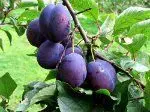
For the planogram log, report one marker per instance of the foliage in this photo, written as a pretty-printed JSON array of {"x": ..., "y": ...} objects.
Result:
[{"x": 121, "y": 39}]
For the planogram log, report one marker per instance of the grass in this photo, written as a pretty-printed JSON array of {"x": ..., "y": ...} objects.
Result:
[{"x": 22, "y": 68}]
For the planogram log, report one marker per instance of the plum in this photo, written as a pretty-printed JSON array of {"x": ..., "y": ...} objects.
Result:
[
  {"x": 59, "y": 26},
  {"x": 77, "y": 50},
  {"x": 34, "y": 35},
  {"x": 49, "y": 54},
  {"x": 72, "y": 69},
  {"x": 101, "y": 75},
  {"x": 44, "y": 19}
]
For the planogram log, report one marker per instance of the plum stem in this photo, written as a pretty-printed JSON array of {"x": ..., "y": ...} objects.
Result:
[
  {"x": 73, "y": 42},
  {"x": 87, "y": 41},
  {"x": 91, "y": 48},
  {"x": 63, "y": 54}
]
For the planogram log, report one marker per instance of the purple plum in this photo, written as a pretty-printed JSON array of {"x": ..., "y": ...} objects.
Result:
[
  {"x": 49, "y": 54},
  {"x": 72, "y": 69},
  {"x": 101, "y": 75},
  {"x": 59, "y": 26},
  {"x": 34, "y": 35},
  {"x": 44, "y": 19}
]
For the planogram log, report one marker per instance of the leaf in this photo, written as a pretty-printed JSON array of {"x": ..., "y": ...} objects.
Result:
[
  {"x": 142, "y": 27},
  {"x": 28, "y": 15},
  {"x": 19, "y": 29},
  {"x": 44, "y": 94},
  {"x": 81, "y": 5},
  {"x": 129, "y": 17},
  {"x": 108, "y": 25},
  {"x": 137, "y": 42},
  {"x": 103, "y": 91},
  {"x": 121, "y": 90},
  {"x": 40, "y": 5},
  {"x": 135, "y": 106},
  {"x": 127, "y": 63},
  {"x": 1, "y": 44},
  {"x": 2, "y": 109},
  {"x": 52, "y": 74},
  {"x": 9, "y": 36},
  {"x": 30, "y": 91},
  {"x": 147, "y": 91},
  {"x": 7, "y": 85},
  {"x": 69, "y": 102},
  {"x": 16, "y": 12},
  {"x": 11, "y": 2},
  {"x": 140, "y": 67},
  {"x": 27, "y": 4},
  {"x": 6, "y": 29}
]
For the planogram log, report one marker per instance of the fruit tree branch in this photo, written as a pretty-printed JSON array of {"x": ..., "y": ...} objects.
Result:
[{"x": 87, "y": 41}]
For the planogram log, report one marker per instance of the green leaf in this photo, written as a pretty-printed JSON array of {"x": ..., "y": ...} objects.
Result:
[
  {"x": 40, "y": 4},
  {"x": 52, "y": 74},
  {"x": 27, "y": 4},
  {"x": 81, "y": 5},
  {"x": 19, "y": 29},
  {"x": 6, "y": 29},
  {"x": 71, "y": 102},
  {"x": 44, "y": 94},
  {"x": 127, "y": 63},
  {"x": 136, "y": 43},
  {"x": 140, "y": 67},
  {"x": 147, "y": 91},
  {"x": 7, "y": 85},
  {"x": 16, "y": 12},
  {"x": 9, "y": 36},
  {"x": 28, "y": 15},
  {"x": 135, "y": 106},
  {"x": 129, "y": 17},
  {"x": 121, "y": 90},
  {"x": 142, "y": 27},
  {"x": 30, "y": 91},
  {"x": 1, "y": 44},
  {"x": 108, "y": 25},
  {"x": 11, "y": 2},
  {"x": 103, "y": 91},
  {"x": 2, "y": 109}
]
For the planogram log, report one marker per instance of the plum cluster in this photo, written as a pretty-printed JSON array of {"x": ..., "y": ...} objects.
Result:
[{"x": 50, "y": 34}]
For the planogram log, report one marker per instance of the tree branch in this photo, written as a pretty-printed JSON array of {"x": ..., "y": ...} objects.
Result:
[{"x": 87, "y": 41}]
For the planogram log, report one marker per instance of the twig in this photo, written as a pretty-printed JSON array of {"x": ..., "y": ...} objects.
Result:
[
  {"x": 5, "y": 15},
  {"x": 87, "y": 41},
  {"x": 63, "y": 54},
  {"x": 79, "y": 42},
  {"x": 137, "y": 98},
  {"x": 83, "y": 11},
  {"x": 109, "y": 45}
]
